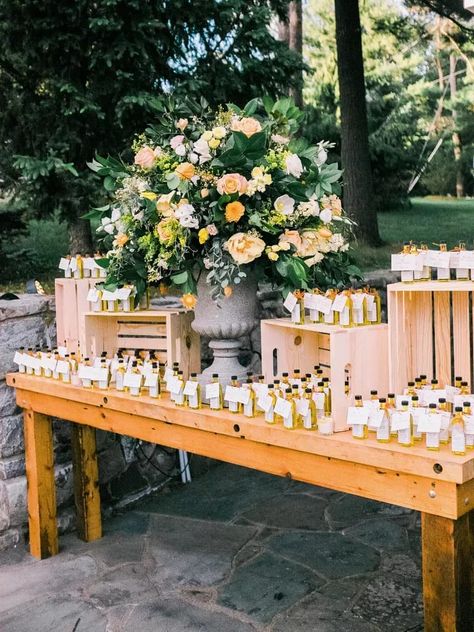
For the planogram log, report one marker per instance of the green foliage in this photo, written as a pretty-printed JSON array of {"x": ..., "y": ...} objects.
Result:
[{"x": 80, "y": 78}]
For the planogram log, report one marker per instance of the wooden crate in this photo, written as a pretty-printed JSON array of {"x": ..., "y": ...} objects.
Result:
[
  {"x": 356, "y": 354},
  {"x": 167, "y": 331},
  {"x": 430, "y": 325},
  {"x": 71, "y": 305}
]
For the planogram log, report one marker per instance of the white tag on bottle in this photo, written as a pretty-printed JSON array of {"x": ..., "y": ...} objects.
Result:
[
  {"x": 151, "y": 379},
  {"x": 339, "y": 303},
  {"x": 212, "y": 390},
  {"x": 63, "y": 264},
  {"x": 244, "y": 395},
  {"x": 264, "y": 402},
  {"x": 375, "y": 418},
  {"x": 282, "y": 407},
  {"x": 190, "y": 388},
  {"x": 302, "y": 406},
  {"x": 93, "y": 295},
  {"x": 357, "y": 415},
  {"x": 132, "y": 380},
  {"x": 290, "y": 302},
  {"x": 322, "y": 304},
  {"x": 400, "y": 421},
  {"x": 232, "y": 394}
]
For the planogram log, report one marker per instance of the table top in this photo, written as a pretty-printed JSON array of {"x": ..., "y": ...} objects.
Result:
[{"x": 417, "y": 460}]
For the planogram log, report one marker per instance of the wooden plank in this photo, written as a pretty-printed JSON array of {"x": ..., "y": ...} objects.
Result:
[
  {"x": 41, "y": 490},
  {"x": 86, "y": 482},
  {"x": 141, "y": 329},
  {"x": 136, "y": 342},
  {"x": 432, "y": 286},
  {"x": 146, "y": 314},
  {"x": 462, "y": 339},
  {"x": 417, "y": 460},
  {"x": 398, "y": 370},
  {"x": 419, "y": 343},
  {"x": 448, "y": 573},
  {"x": 378, "y": 483},
  {"x": 442, "y": 337}
]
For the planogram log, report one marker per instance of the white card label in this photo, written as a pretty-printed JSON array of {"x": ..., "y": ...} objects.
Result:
[
  {"x": 375, "y": 418},
  {"x": 265, "y": 402},
  {"x": 302, "y": 406},
  {"x": 190, "y": 388},
  {"x": 63, "y": 264},
  {"x": 290, "y": 302},
  {"x": 282, "y": 407},
  {"x": 212, "y": 390},
  {"x": 132, "y": 380},
  {"x": 400, "y": 421},
  {"x": 232, "y": 394},
  {"x": 357, "y": 415},
  {"x": 339, "y": 303},
  {"x": 431, "y": 422},
  {"x": 93, "y": 295}
]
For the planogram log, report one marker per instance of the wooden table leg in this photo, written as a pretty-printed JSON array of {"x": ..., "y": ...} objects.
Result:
[
  {"x": 86, "y": 482},
  {"x": 39, "y": 457},
  {"x": 448, "y": 573}
]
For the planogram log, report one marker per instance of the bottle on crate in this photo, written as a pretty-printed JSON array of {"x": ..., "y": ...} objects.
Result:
[
  {"x": 411, "y": 388},
  {"x": 457, "y": 432},
  {"x": 179, "y": 398},
  {"x": 407, "y": 276},
  {"x": 423, "y": 380},
  {"x": 119, "y": 375},
  {"x": 310, "y": 418},
  {"x": 155, "y": 389},
  {"x": 458, "y": 381},
  {"x": 216, "y": 403},
  {"x": 426, "y": 273},
  {"x": 279, "y": 391},
  {"x": 383, "y": 431},
  {"x": 434, "y": 384},
  {"x": 234, "y": 407},
  {"x": 104, "y": 383},
  {"x": 66, "y": 376},
  {"x": 194, "y": 401},
  {"x": 320, "y": 397},
  {"x": 135, "y": 390},
  {"x": 296, "y": 376},
  {"x": 405, "y": 436},
  {"x": 47, "y": 371},
  {"x": 249, "y": 375},
  {"x": 432, "y": 438},
  {"x": 270, "y": 412},
  {"x": 443, "y": 274},
  {"x": 346, "y": 314},
  {"x": 87, "y": 382},
  {"x": 285, "y": 383},
  {"x": 359, "y": 431},
  {"x": 417, "y": 383},
  {"x": 464, "y": 388},
  {"x": 328, "y": 401},
  {"x": 462, "y": 274},
  {"x": 250, "y": 408}
]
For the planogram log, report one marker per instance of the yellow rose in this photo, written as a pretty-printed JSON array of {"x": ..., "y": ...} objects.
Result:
[
  {"x": 203, "y": 235},
  {"x": 232, "y": 183},
  {"x": 273, "y": 256},
  {"x": 207, "y": 135},
  {"x": 145, "y": 157},
  {"x": 189, "y": 301},
  {"x": 325, "y": 233},
  {"x": 244, "y": 247},
  {"x": 121, "y": 239},
  {"x": 185, "y": 170},
  {"x": 247, "y": 125},
  {"x": 219, "y": 132},
  {"x": 214, "y": 143},
  {"x": 234, "y": 211},
  {"x": 148, "y": 195},
  {"x": 257, "y": 172}
]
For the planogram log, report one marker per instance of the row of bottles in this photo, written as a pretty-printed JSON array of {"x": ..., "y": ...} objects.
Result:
[
  {"x": 403, "y": 419},
  {"x": 123, "y": 299},
  {"x": 348, "y": 308},
  {"x": 419, "y": 263},
  {"x": 80, "y": 266}
]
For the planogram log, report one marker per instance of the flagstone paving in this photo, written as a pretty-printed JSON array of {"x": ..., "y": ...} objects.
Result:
[{"x": 235, "y": 551}]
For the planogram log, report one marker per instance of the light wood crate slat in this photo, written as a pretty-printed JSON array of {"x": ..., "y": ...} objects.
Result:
[
  {"x": 430, "y": 331},
  {"x": 168, "y": 333},
  {"x": 358, "y": 354},
  {"x": 71, "y": 305}
]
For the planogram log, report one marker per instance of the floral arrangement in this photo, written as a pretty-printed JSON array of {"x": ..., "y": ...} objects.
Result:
[{"x": 224, "y": 193}]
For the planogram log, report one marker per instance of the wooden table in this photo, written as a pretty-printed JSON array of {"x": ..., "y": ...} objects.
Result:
[{"x": 438, "y": 484}]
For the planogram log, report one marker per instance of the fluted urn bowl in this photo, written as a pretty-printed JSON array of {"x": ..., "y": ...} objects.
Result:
[{"x": 225, "y": 321}]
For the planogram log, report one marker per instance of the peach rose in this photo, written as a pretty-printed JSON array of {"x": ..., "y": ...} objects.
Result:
[
  {"x": 121, "y": 239},
  {"x": 244, "y": 247},
  {"x": 163, "y": 204},
  {"x": 234, "y": 211},
  {"x": 325, "y": 233},
  {"x": 232, "y": 183},
  {"x": 189, "y": 301},
  {"x": 166, "y": 230},
  {"x": 145, "y": 158},
  {"x": 185, "y": 170},
  {"x": 291, "y": 237},
  {"x": 247, "y": 125}
]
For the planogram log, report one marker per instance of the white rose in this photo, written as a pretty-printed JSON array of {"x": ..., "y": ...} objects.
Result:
[
  {"x": 176, "y": 141},
  {"x": 201, "y": 147},
  {"x": 326, "y": 215},
  {"x": 316, "y": 258},
  {"x": 184, "y": 210},
  {"x": 193, "y": 158},
  {"x": 219, "y": 132},
  {"x": 107, "y": 225},
  {"x": 280, "y": 140},
  {"x": 284, "y": 204},
  {"x": 116, "y": 214},
  {"x": 180, "y": 150},
  {"x": 189, "y": 221},
  {"x": 293, "y": 165},
  {"x": 321, "y": 157}
]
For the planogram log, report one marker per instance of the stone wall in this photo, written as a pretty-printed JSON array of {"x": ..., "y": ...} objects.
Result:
[{"x": 127, "y": 470}]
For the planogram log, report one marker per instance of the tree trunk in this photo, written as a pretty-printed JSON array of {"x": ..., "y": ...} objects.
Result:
[
  {"x": 295, "y": 42},
  {"x": 457, "y": 145},
  {"x": 358, "y": 187},
  {"x": 80, "y": 236}
]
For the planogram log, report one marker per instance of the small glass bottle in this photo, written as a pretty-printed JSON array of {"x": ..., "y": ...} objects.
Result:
[
  {"x": 467, "y": 412},
  {"x": 444, "y": 433},
  {"x": 290, "y": 421},
  {"x": 383, "y": 431},
  {"x": 359, "y": 431},
  {"x": 285, "y": 383},
  {"x": 298, "y": 313},
  {"x": 406, "y": 276},
  {"x": 327, "y": 391},
  {"x": 217, "y": 402},
  {"x": 279, "y": 391},
  {"x": 79, "y": 271},
  {"x": 426, "y": 273},
  {"x": 135, "y": 390},
  {"x": 345, "y": 315},
  {"x": 270, "y": 412},
  {"x": 104, "y": 383},
  {"x": 296, "y": 379},
  {"x": 415, "y": 402},
  {"x": 66, "y": 376},
  {"x": 21, "y": 367},
  {"x": 405, "y": 436},
  {"x": 457, "y": 431},
  {"x": 462, "y": 274},
  {"x": 87, "y": 382},
  {"x": 464, "y": 388},
  {"x": 57, "y": 357},
  {"x": 179, "y": 398},
  {"x": 154, "y": 390},
  {"x": 249, "y": 409},
  {"x": 195, "y": 401},
  {"x": 119, "y": 375},
  {"x": 458, "y": 381},
  {"x": 443, "y": 274},
  {"x": 37, "y": 354},
  {"x": 310, "y": 419},
  {"x": 432, "y": 438},
  {"x": 234, "y": 407},
  {"x": 47, "y": 372},
  {"x": 434, "y": 384},
  {"x": 423, "y": 380}
]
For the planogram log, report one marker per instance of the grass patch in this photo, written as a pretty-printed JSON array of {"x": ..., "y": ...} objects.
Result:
[{"x": 427, "y": 219}]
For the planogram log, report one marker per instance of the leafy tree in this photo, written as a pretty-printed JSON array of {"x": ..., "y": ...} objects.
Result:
[{"x": 82, "y": 77}]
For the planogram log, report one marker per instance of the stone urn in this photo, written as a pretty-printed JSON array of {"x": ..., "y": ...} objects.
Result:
[{"x": 225, "y": 321}]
